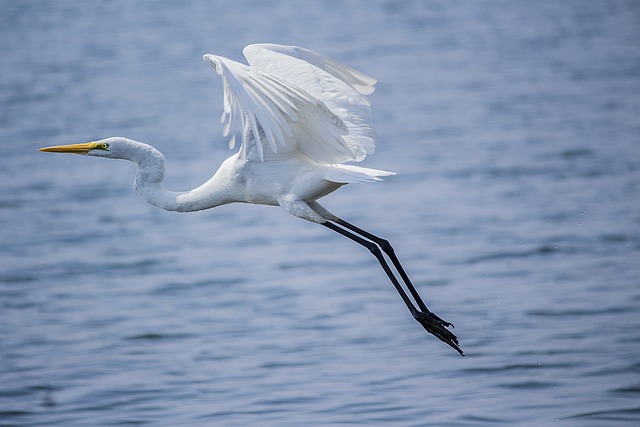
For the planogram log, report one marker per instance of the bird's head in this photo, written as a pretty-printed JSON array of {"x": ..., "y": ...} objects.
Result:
[
  {"x": 112, "y": 148},
  {"x": 151, "y": 162}
]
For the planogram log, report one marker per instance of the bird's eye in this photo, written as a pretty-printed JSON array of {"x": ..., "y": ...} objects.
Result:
[{"x": 104, "y": 146}]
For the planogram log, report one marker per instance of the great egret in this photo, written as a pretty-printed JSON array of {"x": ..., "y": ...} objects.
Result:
[{"x": 303, "y": 116}]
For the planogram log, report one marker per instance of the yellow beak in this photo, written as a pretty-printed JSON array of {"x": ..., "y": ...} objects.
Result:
[{"x": 83, "y": 148}]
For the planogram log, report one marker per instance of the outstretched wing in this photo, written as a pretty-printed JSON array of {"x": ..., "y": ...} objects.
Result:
[
  {"x": 341, "y": 88},
  {"x": 274, "y": 105}
]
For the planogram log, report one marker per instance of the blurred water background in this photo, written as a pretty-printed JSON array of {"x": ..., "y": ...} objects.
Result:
[{"x": 514, "y": 127}]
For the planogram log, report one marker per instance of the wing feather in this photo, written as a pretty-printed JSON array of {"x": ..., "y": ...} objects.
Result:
[
  {"x": 291, "y": 96},
  {"x": 285, "y": 113},
  {"x": 341, "y": 88}
]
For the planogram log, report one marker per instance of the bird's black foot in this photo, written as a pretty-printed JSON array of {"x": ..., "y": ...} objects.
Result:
[{"x": 438, "y": 327}]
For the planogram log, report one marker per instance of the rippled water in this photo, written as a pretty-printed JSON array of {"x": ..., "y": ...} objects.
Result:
[{"x": 514, "y": 127}]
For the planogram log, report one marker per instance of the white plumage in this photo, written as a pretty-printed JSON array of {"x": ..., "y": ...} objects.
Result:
[
  {"x": 298, "y": 97},
  {"x": 302, "y": 116}
]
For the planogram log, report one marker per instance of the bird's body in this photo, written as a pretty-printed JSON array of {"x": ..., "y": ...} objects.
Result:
[
  {"x": 260, "y": 183},
  {"x": 290, "y": 178},
  {"x": 303, "y": 117}
]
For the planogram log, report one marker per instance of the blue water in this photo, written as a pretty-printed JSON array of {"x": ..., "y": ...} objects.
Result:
[{"x": 514, "y": 127}]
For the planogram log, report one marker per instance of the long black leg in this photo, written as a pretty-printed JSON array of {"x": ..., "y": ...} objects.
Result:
[
  {"x": 375, "y": 250},
  {"x": 388, "y": 249},
  {"x": 432, "y": 323}
]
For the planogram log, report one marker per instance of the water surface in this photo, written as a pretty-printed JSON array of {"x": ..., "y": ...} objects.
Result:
[{"x": 513, "y": 127}]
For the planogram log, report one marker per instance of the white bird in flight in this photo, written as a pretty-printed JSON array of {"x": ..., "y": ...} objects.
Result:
[{"x": 303, "y": 117}]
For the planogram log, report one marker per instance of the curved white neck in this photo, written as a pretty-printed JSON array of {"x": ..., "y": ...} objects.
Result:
[{"x": 148, "y": 183}]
